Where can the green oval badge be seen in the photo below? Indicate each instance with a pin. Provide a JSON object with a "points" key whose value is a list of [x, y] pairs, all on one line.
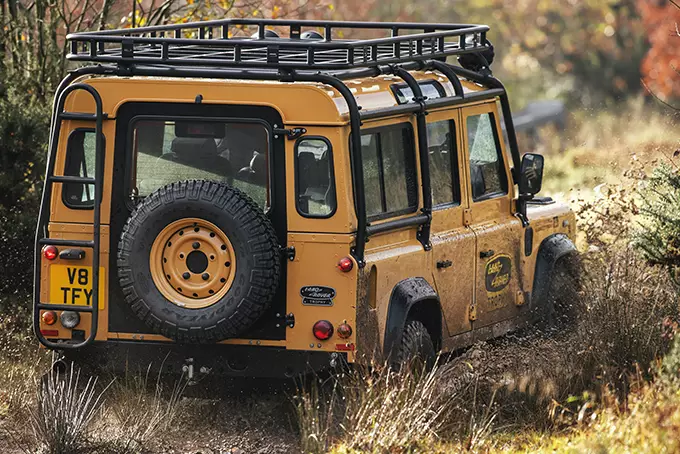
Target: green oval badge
{"points": [[498, 273]]}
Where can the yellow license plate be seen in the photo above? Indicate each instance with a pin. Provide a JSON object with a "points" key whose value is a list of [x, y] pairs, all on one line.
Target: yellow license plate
{"points": [[72, 285]]}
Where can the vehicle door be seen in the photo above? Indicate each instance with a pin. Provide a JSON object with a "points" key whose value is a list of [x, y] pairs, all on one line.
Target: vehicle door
{"points": [[496, 228], [453, 242], [161, 143]]}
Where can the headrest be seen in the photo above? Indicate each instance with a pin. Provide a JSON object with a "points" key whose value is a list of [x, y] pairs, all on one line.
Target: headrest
{"points": [[198, 147]]}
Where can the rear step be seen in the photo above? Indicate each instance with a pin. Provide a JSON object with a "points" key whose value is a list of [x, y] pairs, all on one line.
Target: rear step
{"points": [[44, 217]]}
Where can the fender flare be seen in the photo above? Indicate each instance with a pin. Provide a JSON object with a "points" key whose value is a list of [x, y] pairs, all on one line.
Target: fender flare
{"points": [[405, 295], [551, 250]]}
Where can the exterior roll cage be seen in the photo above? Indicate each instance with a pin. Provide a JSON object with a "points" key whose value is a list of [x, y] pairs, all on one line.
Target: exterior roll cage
{"points": [[417, 56]]}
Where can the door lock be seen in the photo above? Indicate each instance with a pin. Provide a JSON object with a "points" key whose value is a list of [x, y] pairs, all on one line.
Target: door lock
{"points": [[444, 264]]}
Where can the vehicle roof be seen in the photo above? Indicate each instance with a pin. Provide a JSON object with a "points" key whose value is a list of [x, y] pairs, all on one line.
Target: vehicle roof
{"points": [[322, 104]]}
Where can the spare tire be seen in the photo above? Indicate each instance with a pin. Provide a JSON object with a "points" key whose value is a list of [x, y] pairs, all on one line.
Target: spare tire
{"points": [[198, 261]]}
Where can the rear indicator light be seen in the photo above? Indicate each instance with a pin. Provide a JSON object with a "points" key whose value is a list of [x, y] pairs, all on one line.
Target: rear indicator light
{"points": [[344, 330], [50, 252], [49, 317], [69, 319], [49, 332], [323, 330], [345, 264]]}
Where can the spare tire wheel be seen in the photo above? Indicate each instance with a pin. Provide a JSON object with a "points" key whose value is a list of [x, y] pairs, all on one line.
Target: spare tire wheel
{"points": [[198, 261]]}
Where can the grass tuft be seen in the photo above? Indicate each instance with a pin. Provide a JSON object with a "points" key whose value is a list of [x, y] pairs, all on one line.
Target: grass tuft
{"points": [[65, 407]]}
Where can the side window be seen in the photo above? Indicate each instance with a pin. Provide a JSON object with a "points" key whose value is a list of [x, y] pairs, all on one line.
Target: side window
{"points": [[390, 181], [431, 89], [166, 151], [487, 170], [443, 163], [315, 186], [80, 162]]}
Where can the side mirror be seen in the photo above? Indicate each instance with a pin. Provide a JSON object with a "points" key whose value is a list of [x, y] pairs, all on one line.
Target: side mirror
{"points": [[531, 174]]}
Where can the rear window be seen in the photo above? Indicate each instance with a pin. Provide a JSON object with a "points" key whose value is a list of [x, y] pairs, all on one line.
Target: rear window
{"points": [[80, 162], [166, 151]]}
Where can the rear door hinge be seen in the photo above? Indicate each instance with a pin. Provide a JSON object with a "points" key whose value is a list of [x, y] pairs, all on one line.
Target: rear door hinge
{"points": [[472, 312], [287, 319], [289, 252], [292, 133], [467, 217]]}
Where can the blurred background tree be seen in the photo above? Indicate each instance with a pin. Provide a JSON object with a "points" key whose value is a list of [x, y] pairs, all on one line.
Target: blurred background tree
{"points": [[661, 64]]}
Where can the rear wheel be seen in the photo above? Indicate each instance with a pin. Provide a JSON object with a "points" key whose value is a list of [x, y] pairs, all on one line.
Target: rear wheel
{"points": [[416, 349]]}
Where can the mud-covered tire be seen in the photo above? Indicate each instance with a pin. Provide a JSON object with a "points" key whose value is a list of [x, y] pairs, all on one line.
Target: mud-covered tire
{"points": [[255, 274], [416, 348], [562, 301]]}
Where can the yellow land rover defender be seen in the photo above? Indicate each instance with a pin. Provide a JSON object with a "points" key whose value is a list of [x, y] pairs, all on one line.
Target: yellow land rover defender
{"points": [[268, 204]]}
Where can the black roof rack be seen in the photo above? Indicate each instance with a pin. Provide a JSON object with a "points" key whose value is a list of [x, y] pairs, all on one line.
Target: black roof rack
{"points": [[208, 44]]}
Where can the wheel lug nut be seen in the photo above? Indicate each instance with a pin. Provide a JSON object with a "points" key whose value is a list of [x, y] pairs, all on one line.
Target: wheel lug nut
{"points": [[196, 245], [205, 276], [186, 275]]}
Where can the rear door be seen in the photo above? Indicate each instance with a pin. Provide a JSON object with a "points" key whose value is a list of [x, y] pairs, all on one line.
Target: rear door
{"points": [[161, 143], [491, 216]]}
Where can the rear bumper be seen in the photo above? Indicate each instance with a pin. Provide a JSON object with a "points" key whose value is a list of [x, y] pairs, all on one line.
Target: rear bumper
{"points": [[205, 360]]}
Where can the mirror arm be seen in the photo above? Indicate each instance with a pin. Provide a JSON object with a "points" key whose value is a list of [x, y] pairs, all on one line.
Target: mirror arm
{"points": [[522, 200]]}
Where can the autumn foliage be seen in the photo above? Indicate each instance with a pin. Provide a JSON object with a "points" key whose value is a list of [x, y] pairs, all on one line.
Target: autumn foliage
{"points": [[662, 62]]}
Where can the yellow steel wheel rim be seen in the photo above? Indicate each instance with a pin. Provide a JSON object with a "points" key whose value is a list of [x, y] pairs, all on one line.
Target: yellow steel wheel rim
{"points": [[193, 263]]}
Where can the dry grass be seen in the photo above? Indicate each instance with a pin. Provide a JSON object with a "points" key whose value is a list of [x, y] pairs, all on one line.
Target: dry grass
{"points": [[65, 407], [376, 410], [140, 411], [598, 147]]}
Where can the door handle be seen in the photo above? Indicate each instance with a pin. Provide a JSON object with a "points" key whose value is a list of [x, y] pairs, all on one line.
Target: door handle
{"points": [[486, 254], [444, 264]]}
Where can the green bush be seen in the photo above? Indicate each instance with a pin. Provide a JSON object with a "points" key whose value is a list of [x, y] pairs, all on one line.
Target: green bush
{"points": [[658, 236], [24, 131]]}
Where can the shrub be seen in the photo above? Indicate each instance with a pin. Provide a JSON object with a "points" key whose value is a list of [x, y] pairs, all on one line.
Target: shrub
{"points": [[659, 234], [64, 411], [626, 302], [24, 130]]}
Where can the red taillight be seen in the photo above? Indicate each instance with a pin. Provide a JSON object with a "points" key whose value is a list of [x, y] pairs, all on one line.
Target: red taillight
{"points": [[344, 330], [49, 317], [323, 330], [345, 264], [50, 252]]}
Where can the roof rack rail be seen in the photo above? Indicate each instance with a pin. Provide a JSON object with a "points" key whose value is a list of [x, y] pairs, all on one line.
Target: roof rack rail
{"points": [[208, 44]]}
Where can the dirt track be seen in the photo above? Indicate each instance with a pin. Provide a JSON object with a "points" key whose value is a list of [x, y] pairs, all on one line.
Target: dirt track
{"points": [[258, 417]]}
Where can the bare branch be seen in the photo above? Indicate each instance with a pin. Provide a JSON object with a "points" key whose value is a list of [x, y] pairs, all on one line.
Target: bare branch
{"points": [[644, 84]]}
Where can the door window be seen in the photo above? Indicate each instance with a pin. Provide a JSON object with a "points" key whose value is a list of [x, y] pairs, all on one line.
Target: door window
{"points": [[443, 163], [390, 181], [487, 170], [166, 151]]}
